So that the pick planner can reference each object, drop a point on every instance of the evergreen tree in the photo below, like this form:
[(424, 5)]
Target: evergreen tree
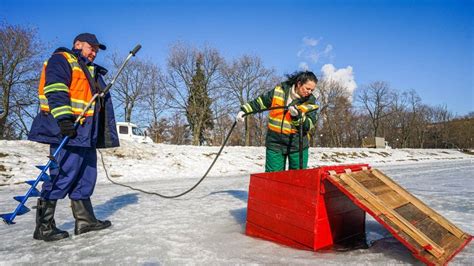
[(199, 114)]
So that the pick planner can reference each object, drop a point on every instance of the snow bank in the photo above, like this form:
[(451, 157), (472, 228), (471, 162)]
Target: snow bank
[(146, 162)]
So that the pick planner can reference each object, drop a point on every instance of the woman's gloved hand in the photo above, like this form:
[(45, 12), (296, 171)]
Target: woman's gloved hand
[(240, 117), (293, 111)]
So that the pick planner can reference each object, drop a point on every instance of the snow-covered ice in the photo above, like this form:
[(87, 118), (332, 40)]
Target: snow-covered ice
[(207, 226)]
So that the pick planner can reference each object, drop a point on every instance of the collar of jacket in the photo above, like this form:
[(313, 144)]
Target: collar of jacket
[(287, 89), (293, 96), (77, 53)]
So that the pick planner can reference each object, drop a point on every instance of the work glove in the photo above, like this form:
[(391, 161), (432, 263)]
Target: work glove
[(67, 128), (293, 111), (240, 117)]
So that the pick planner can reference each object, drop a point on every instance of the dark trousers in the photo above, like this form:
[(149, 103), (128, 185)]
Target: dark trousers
[(76, 175)]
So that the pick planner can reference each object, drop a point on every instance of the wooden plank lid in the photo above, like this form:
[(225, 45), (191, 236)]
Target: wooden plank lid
[(428, 235)]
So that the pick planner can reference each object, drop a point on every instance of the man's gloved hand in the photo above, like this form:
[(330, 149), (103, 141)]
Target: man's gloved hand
[(240, 117), (293, 111), (67, 128)]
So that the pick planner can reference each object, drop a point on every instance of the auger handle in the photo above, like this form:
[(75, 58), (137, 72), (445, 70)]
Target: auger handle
[(136, 49)]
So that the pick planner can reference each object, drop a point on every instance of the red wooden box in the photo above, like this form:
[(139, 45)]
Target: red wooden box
[(301, 209)]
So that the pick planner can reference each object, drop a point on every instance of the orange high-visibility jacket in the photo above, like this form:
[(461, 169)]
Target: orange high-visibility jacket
[(79, 90), (64, 91), (282, 132)]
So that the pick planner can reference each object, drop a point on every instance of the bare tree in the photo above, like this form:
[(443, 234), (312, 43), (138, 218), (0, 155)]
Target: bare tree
[(375, 100), (461, 134), (24, 107), (335, 113), (223, 117), (133, 86), (179, 134), (360, 126), (244, 79), (400, 125), (182, 67), (20, 66), (158, 130), (156, 101), (155, 104), (259, 122), (408, 112), (436, 127)]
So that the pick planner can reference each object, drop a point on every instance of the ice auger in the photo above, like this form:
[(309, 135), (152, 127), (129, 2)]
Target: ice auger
[(51, 164)]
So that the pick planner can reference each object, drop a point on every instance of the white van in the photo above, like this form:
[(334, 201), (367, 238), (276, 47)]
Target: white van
[(130, 131)]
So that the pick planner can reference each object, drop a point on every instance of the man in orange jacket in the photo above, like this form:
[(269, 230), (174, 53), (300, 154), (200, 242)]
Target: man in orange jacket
[(68, 82)]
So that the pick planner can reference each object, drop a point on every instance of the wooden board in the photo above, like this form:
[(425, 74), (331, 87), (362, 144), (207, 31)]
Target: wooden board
[(428, 235)]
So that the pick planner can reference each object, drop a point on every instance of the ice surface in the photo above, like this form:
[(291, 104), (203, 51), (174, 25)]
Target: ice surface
[(207, 226)]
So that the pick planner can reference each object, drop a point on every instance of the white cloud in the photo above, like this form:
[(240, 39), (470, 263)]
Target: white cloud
[(311, 53), (328, 49), (304, 66), (310, 41), (314, 56), (345, 76), (300, 53)]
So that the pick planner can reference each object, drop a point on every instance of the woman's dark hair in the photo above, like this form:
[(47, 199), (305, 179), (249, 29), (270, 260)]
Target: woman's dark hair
[(301, 76)]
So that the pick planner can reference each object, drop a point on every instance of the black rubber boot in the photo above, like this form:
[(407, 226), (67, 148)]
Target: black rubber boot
[(85, 218), (45, 225)]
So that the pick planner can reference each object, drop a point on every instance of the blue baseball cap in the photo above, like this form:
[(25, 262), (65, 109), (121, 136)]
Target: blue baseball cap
[(90, 39)]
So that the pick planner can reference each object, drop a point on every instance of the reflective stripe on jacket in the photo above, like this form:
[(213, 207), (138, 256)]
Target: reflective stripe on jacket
[(79, 91), (282, 132), (64, 91)]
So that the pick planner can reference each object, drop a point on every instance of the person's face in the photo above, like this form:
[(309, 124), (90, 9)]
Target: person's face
[(88, 51), (305, 89)]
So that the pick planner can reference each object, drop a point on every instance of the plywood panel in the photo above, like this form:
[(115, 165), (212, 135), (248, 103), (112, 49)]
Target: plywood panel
[(429, 236)]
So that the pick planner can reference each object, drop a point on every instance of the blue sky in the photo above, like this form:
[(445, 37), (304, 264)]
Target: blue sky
[(423, 45)]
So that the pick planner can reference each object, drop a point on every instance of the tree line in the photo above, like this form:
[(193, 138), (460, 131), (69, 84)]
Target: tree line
[(194, 98)]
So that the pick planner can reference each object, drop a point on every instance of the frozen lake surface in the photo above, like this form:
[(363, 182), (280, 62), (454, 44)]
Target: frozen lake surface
[(207, 226)]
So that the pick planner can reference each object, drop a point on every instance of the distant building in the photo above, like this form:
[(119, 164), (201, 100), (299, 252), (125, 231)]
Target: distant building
[(373, 142)]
